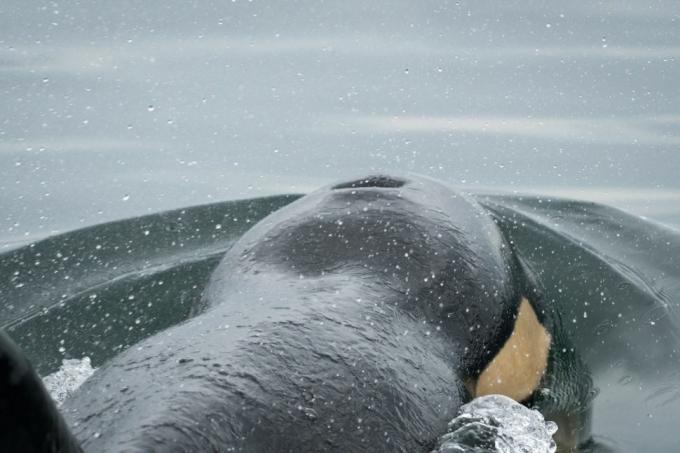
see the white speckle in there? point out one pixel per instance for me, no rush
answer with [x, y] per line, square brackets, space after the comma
[513, 426]
[67, 378]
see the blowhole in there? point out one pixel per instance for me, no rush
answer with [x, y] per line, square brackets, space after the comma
[380, 181]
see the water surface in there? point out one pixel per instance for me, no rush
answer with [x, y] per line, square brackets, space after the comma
[114, 110]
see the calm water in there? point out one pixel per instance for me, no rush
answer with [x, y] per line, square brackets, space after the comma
[113, 110]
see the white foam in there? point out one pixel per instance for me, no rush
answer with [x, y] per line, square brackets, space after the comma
[68, 378]
[497, 424]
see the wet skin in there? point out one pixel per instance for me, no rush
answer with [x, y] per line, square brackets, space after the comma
[354, 319]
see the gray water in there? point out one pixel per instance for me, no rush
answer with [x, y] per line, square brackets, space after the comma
[112, 110]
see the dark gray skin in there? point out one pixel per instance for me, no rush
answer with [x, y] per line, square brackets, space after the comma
[347, 321]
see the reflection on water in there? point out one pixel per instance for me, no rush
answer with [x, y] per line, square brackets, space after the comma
[611, 279]
[621, 131]
[176, 104]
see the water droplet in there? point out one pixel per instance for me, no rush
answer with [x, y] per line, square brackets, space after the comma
[625, 380]
[151, 108]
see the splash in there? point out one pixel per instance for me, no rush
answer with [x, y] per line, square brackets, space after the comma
[68, 378]
[497, 424]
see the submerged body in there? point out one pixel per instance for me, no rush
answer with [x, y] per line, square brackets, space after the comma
[358, 318]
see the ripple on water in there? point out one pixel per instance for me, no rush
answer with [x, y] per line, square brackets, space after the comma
[497, 424]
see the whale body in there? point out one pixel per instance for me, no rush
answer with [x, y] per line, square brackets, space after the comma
[358, 318]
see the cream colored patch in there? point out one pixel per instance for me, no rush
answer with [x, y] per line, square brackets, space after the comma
[518, 368]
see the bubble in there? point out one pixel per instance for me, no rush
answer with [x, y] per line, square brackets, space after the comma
[497, 424]
[67, 378]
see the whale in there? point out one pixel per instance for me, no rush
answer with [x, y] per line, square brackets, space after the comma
[360, 317]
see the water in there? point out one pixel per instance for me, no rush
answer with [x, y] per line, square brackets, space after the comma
[112, 111]
[497, 424]
[613, 278]
[67, 378]
[113, 114]
[96, 291]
